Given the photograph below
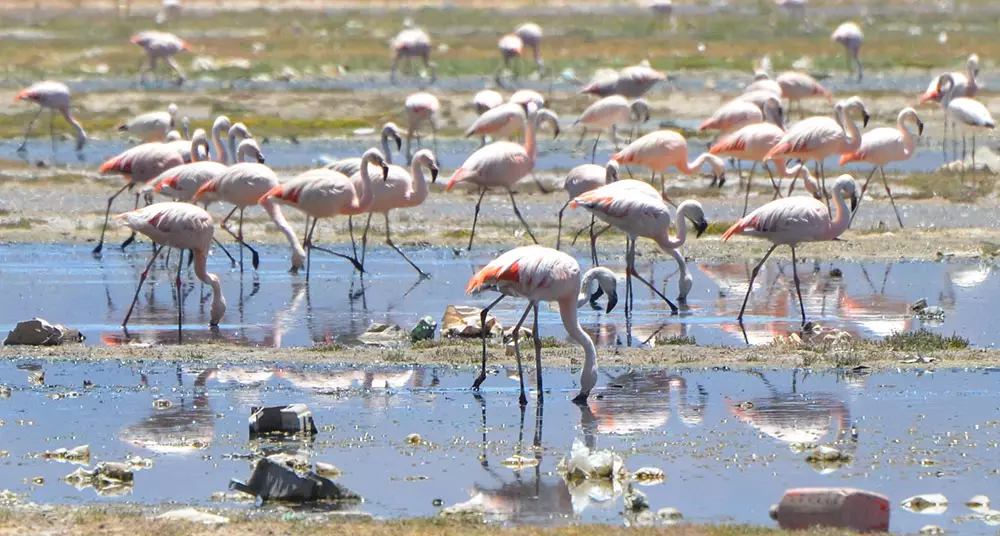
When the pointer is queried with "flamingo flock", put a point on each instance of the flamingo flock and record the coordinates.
(226, 166)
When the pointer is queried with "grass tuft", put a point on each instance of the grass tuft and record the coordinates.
(925, 340)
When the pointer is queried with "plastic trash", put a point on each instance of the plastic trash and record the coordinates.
(273, 482)
(282, 420)
(424, 330)
(464, 321)
(39, 332)
(855, 509)
(193, 516)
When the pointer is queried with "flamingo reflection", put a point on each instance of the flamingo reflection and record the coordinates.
(185, 427)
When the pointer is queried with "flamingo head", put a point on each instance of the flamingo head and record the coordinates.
(391, 131)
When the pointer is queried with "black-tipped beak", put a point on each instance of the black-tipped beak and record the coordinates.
(920, 128)
(612, 302)
(596, 296)
(817, 197)
(385, 172)
(260, 159)
(722, 180)
(399, 142)
(700, 227)
(866, 117)
(854, 202)
(556, 135)
(434, 173)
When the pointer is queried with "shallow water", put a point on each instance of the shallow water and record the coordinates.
(65, 284)
(916, 432)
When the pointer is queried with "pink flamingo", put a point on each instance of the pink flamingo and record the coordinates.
(420, 107)
(151, 126)
(753, 142)
(486, 99)
(883, 146)
(634, 208)
(664, 148)
(160, 45)
(325, 193)
(138, 165)
(739, 113)
(631, 82)
(413, 43)
(531, 37)
(194, 150)
(816, 138)
(967, 113)
(525, 96)
(965, 85)
(796, 86)
(579, 181)
(182, 226)
(501, 164)
(351, 166)
(505, 120)
(538, 273)
(56, 97)
(510, 47)
(793, 220)
(242, 185)
(608, 113)
(400, 189)
(850, 37)
(763, 82)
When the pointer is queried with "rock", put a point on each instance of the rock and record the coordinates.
(979, 504)
(271, 481)
(826, 453)
(80, 454)
(414, 439)
(518, 462)
(296, 462)
(424, 330)
(464, 321)
(287, 74)
(635, 500)
(379, 334)
(162, 403)
(328, 470)
(928, 503)
(583, 464)
(931, 529)
(648, 476)
(668, 513)
(5, 391)
(293, 419)
(39, 332)
(107, 479)
(193, 516)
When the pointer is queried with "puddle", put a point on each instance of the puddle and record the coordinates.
(907, 433)
(278, 309)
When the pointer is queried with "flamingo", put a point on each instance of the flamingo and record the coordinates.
(531, 37)
(738, 113)
(753, 142)
(608, 113)
(967, 113)
(579, 181)
(486, 99)
(505, 120)
(182, 226)
(538, 273)
(796, 86)
(501, 164)
(793, 220)
(525, 96)
(160, 45)
(138, 165)
(420, 107)
(400, 189)
(664, 148)
(850, 37)
(636, 209)
(510, 47)
(350, 166)
(816, 138)
(661, 10)
(242, 185)
(151, 126)
(883, 146)
(183, 182)
(631, 82)
(965, 86)
(763, 82)
(169, 10)
(412, 43)
(325, 193)
(56, 97)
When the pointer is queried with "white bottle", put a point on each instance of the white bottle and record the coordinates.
(802, 508)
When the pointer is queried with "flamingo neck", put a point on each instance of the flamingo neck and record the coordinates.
(693, 167)
(81, 135)
(237, 158)
(418, 192)
(571, 322)
(361, 202)
(274, 211)
(201, 271)
(386, 150)
(220, 148)
(842, 220)
(669, 244)
(853, 141)
(529, 125)
(908, 143)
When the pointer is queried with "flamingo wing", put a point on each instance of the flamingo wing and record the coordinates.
(785, 221)
(529, 271)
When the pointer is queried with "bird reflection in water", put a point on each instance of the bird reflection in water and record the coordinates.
(185, 427)
(378, 386)
(800, 420)
(637, 402)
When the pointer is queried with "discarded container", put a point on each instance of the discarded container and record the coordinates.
(39, 332)
(273, 482)
(383, 334)
(282, 420)
(464, 321)
(855, 509)
(424, 330)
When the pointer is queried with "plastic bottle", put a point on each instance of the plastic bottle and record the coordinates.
(802, 508)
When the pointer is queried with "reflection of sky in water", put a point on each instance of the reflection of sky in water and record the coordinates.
(741, 438)
(65, 284)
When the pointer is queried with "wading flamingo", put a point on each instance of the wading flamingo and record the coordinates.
(242, 185)
(965, 86)
(412, 43)
(631, 82)
(531, 37)
(796, 86)
(883, 146)
(420, 107)
(608, 113)
(634, 208)
(665, 148)
(505, 120)
(160, 45)
(793, 220)
(486, 99)
(763, 82)
(185, 227)
(510, 47)
(969, 114)
(390, 132)
(579, 181)
(56, 97)
(151, 126)
(816, 138)
(325, 193)
(538, 273)
(850, 37)
(501, 164)
(400, 189)
(739, 113)
(138, 165)
(525, 96)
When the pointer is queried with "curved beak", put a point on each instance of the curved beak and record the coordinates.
(700, 227)
(722, 180)
(260, 159)
(866, 117)
(556, 135)
(398, 140)
(612, 301)
(434, 173)
(854, 201)
(817, 196)
(920, 128)
(385, 171)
